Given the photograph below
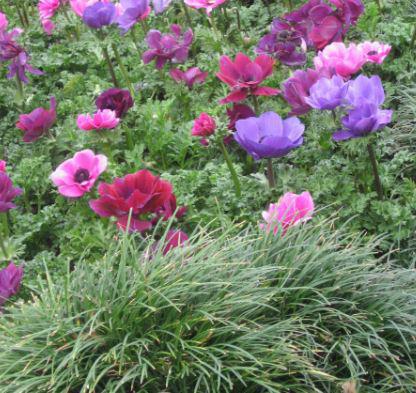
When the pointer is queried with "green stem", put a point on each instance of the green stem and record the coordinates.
(270, 174)
(290, 5)
(238, 19)
(122, 68)
(231, 168)
(110, 66)
(134, 36)
(256, 105)
(22, 22)
(187, 15)
(20, 93)
(377, 181)
(144, 26)
(25, 15)
(413, 40)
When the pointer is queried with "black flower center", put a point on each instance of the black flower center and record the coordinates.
(81, 175)
(372, 53)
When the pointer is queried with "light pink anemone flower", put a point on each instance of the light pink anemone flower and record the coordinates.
(2, 166)
(208, 5)
(76, 176)
(290, 210)
(102, 119)
(374, 52)
(336, 57)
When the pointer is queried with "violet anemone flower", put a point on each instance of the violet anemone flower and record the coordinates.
(38, 122)
(190, 77)
(117, 100)
(365, 89)
(77, 175)
(173, 47)
(160, 6)
(283, 43)
(269, 136)
(244, 76)
(7, 193)
(327, 93)
(363, 120)
(18, 57)
(99, 15)
(141, 195)
(10, 281)
(133, 11)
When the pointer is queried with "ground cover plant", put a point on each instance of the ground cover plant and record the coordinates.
(278, 132)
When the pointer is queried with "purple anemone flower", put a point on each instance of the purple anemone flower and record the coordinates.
(10, 280)
(7, 193)
(99, 15)
(327, 93)
(11, 51)
(269, 136)
(284, 43)
(363, 120)
(365, 88)
(118, 100)
(134, 10)
(173, 47)
(189, 77)
(160, 6)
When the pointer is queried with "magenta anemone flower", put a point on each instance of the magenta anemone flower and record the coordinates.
(133, 11)
(190, 77)
(76, 176)
(38, 122)
(3, 166)
(238, 112)
(374, 52)
(101, 120)
(163, 48)
(208, 5)
(118, 100)
(47, 9)
(141, 195)
(269, 136)
(290, 210)
(343, 60)
(174, 238)
(10, 281)
(204, 126)
(99, 15)
(3, 23)
(244, 76)
(7, 193)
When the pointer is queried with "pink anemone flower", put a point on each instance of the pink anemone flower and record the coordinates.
(208, 5)
(102, 119)
(76, 176)
(374, 52)
(290, 210)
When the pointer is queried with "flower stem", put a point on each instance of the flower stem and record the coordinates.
(413, 40)
(110, 66)
(231, 168)
(290, 5)
(373, 161)
(122, 68)
(134, 36)
(25, 14)
(256, 105)
(270, 174)
(20, 93)
(22, 21)
(238, 19)
(144, 26)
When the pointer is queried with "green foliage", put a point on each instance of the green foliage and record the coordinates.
(226, 313)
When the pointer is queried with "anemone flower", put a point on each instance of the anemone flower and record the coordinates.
(7, 193)
(100, 120)
(190, 77)
(77, 175)
(117, 100)
(244, 76)
(10, 281)
(38, 122)
(207, 5)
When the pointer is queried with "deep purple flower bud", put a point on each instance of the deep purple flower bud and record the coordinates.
(99, 15)
(173, 47)
(238, 112)
(363, 120)
(134, 10)
(269, 136)
(117, 100)
(327, 93)
(10, 280)
(7, 193)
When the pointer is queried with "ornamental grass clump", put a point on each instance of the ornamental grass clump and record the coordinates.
(308, 311)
